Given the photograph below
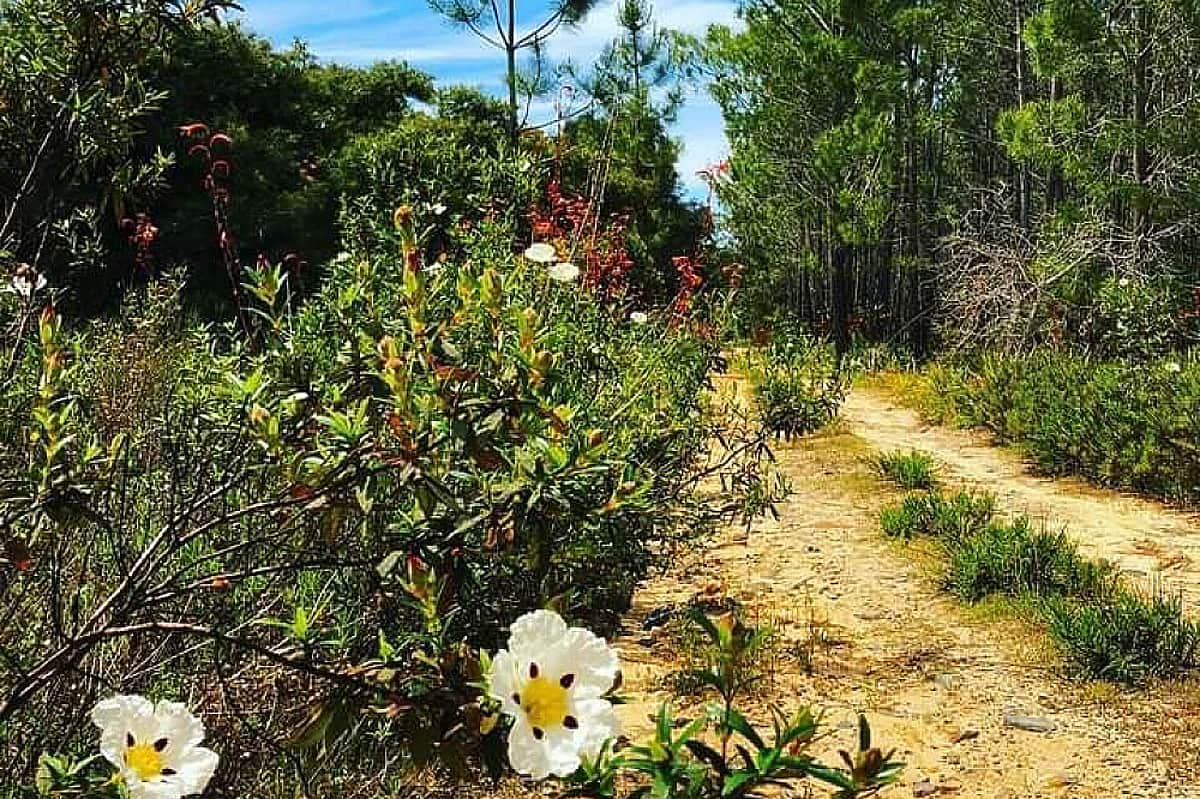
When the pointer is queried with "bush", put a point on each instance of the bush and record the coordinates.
(798, 387)
(1014, 559)
(1116, 424)
(910, 470)
(329, 513)
(1128, 637)
(933, 514)
(1104, 629)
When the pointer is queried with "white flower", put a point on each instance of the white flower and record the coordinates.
(564, 272)
(638, 318)
(26, 284)
(1172, 366)
(542, 253)
(1123, 282)
(437, 210)
(552, 681)
(155, 746)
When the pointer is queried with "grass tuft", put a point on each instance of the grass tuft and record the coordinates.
(1017, 560)
(914, 470)
(933, 514)
(1104, 629)
(1128, 637)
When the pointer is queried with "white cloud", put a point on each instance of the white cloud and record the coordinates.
(601, 27)
(365, 31)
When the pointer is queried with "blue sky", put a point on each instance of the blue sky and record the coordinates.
(363, 31)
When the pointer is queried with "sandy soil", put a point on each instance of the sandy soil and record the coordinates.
(936, 678)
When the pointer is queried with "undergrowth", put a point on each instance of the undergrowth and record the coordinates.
(937, 515)
(1128, 636)
(1104, 629)
(1116, 424)
(798, 387)
(912, 470)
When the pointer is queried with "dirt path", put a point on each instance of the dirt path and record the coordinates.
(1147, 541)
(936, 679)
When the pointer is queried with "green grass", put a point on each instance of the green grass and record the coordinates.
(1018, 560)
(912, 470)
(1104, 629)
(1128, 637)
(936, 515)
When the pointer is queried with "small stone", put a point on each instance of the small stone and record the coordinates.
(946, 681)
(965, 735)
(658, 617)
(1028, 723)
(924, 788)
(1061, 781)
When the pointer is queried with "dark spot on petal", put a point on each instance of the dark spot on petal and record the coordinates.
(169, 772)
(130, 741)
(571, 723)
(538, 733)
(567, 680)
(160, 744)
(534, 671)
(516, 698)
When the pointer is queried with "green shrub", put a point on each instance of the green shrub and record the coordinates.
(342, 504)
(933, 514)
(1128, 637)
(911, 470)
(1116, 424)
(798, 387)
(1017, 560)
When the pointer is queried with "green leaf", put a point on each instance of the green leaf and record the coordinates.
(738, 723)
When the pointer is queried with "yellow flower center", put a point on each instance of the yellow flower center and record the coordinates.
(145, 760)
(545, 703)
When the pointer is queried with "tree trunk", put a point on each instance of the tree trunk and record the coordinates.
(510, 50)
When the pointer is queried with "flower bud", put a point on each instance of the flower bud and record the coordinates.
(402, 217)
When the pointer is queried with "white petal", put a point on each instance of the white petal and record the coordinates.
(593, 662)
(195, 769)
(542, 253)
(598, 722)
(117, 710)
(534, 633)
(505, 681)
(177, 724)
(562, 751)
(118, 717)
(153, 790)
(526, 754)
(564, 272)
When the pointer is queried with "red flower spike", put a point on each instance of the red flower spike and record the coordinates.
(194, 130)
(222, 139)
